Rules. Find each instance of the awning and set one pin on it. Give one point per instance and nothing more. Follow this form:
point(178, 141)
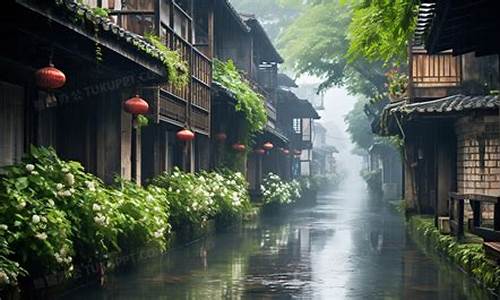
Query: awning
point(456, 106)
point(299, 108)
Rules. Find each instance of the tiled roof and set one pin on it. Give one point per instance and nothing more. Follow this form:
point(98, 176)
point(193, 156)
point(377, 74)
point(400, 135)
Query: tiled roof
point(456, 103)
point(401, 112)
point(75, 12)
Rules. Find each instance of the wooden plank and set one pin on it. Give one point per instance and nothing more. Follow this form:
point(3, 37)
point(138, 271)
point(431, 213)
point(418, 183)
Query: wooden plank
point(486, 233)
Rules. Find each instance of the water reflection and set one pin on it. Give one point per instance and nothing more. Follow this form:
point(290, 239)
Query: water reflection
point(347, 247)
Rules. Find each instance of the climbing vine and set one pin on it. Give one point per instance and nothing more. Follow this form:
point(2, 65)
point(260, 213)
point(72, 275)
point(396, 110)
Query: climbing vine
point(249, 102)
point(177, 68)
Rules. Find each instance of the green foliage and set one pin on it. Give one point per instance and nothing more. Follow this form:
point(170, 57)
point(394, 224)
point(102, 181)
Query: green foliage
point(141, 121)
point(469, 256)
point(275, 15)
point(358, 125)
point(54, 214)
point(278, 192)
point(177, 68)
point(196, 198)
point(249, 102)
point(380, 29)
point(374, 181)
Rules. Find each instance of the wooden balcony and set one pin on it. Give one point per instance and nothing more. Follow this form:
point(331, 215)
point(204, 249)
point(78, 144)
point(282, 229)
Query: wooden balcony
point(432, 76)
point(188, 104)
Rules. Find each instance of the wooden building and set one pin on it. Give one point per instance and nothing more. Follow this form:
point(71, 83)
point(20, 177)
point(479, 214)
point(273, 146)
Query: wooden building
point(186, 27)
point(450, 122)
point(241, 39)
point(295, 118)
point(83, 120)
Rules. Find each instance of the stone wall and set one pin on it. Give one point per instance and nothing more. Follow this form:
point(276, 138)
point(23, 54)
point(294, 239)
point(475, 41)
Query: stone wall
point(478, 155)
point(478, 159)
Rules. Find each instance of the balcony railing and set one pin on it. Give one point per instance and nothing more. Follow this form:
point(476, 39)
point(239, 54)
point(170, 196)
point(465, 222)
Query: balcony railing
point(432, 75)
point(439, 70)
point(175, 101)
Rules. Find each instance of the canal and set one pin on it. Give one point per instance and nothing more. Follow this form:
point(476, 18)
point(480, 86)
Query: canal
point(348, 246)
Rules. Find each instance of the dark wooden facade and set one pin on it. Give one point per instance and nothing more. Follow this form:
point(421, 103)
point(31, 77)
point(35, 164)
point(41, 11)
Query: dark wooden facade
point(185, 27)
point(86, 123)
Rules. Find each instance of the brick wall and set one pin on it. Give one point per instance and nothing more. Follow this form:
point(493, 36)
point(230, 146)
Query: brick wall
point(478, 155)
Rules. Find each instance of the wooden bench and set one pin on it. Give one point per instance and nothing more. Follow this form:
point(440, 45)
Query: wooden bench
point(492, 249)
point(491, 236)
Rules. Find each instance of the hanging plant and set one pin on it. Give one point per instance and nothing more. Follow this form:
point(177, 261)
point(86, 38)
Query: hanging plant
point(140, 121)
point(249, 102)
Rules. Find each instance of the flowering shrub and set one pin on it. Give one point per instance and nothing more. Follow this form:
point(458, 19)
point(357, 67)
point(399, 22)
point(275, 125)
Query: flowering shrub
point(195, 198)
point(146, 214)
point(52, 213)
point(276, 191)
point(230, 193)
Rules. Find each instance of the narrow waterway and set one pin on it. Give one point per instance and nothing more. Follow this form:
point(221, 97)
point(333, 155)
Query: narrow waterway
point(346, 247)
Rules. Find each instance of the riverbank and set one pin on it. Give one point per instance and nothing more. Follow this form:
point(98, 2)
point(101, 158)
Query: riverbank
point(469, 255)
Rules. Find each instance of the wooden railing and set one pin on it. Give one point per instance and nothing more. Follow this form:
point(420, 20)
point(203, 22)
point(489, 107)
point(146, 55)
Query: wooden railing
point(438, 70)
point(456, 211)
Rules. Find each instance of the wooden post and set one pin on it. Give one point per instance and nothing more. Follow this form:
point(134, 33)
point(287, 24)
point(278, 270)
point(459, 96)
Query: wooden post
point(460, 233)
point(476, 212)
point(496, 217)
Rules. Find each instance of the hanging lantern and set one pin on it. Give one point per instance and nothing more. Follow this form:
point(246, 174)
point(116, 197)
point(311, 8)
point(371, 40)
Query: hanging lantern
point(50, 78)
point(136, 106)
point(260, 151)
point(285, 151)
point(185, 135)
point(221, 136)
point(239, 147)
point(268, 146)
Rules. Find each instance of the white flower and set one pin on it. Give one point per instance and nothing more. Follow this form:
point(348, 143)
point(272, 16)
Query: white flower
point(34, 173)
point(158, 234)
point(70, 268)
point(51, 202)
point(90, 185)
point(65, 170)
point(41, 236)
point(30, 167)
point(35, 219)
point(21, 204)
point(4, 279)
point(69, 178)
point(64, 193)
point(58, 258)
point(4, 227)
point(96, 207)
point(59, 186)
point(44, 219)
point(17, 223)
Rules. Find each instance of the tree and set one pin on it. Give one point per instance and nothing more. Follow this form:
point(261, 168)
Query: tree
point(380, 29)
point(275, 15)
point(358, 125)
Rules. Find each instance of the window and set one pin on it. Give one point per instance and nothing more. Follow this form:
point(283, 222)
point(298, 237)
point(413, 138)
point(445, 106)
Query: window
point(297, 125)
point(11, 123)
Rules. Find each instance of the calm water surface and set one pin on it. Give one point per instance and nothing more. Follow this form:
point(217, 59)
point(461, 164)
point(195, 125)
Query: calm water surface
point(346, 247)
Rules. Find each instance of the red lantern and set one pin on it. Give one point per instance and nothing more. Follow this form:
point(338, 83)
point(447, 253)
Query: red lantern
point(268, 146)
point(260, 151)
point(221, 136)
point(50, 78)
point(185, 135)
point(239, 147)
point(286, 151)
point(136, 106)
